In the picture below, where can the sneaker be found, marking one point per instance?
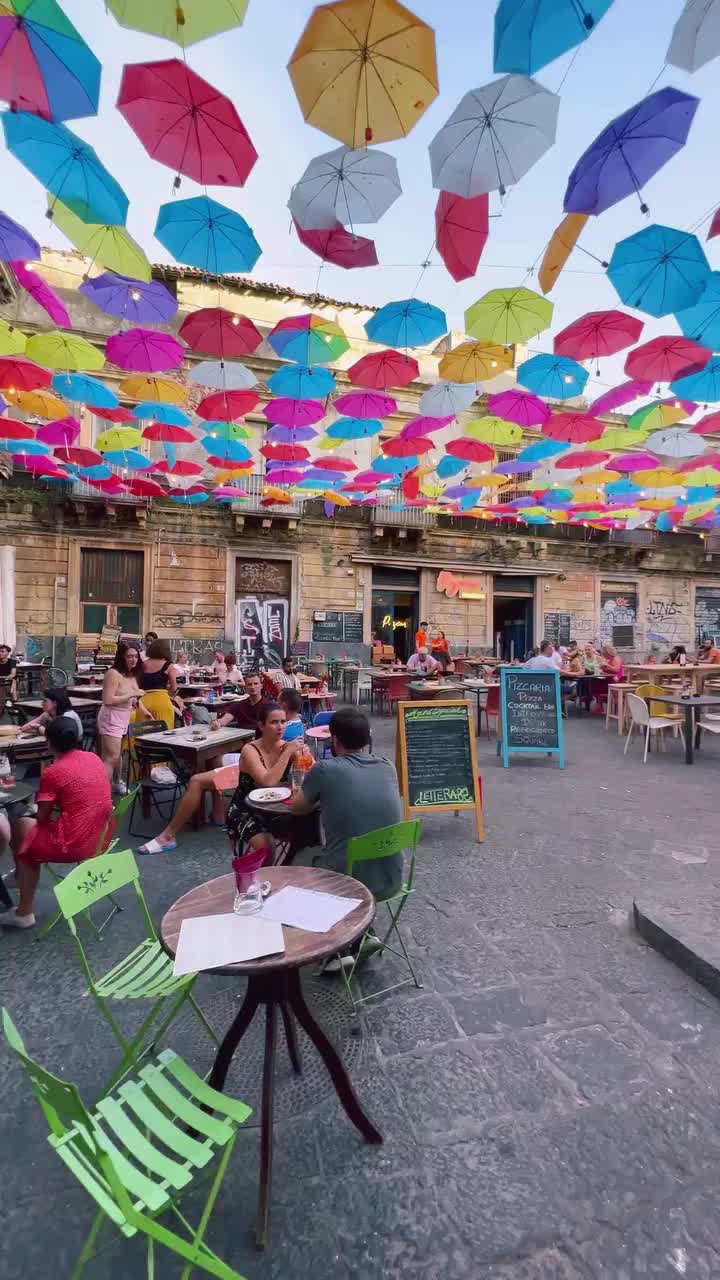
(119, 788)
(11, 920)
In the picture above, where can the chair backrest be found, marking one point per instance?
(61, 1102)
(638, 709)
(399, 688)
(140, 727)
(649, 691)
(97, 878)
(322, 717)
(492, 706)
(383, 843)
(88, 720)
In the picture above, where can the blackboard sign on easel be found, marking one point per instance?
(437, 760)
(531, 713)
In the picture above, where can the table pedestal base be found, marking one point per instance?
(283, 991)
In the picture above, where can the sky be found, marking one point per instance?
(611, 71)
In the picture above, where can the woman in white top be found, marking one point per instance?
(56, 702)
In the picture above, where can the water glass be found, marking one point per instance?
(248, 888)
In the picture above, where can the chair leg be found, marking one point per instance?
(87, 1248)
(629, 736)
(647, 742)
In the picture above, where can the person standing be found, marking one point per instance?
(421, 637)
(439, 644)
(121, 694)
(158, 682)
(8, 677)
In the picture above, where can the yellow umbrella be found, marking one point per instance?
(232, 473)
(337, 499)
(489, 481)
(494, 431)
(146, 387)
(659, 478)
(557, 516)
(599, 477)
(119, 438)
(271, 491)
(621, 438)
(41, 404)
(326, 443)
(364, 71)
(508, 315)
(57, 350)
(560, 246)
(696, 510)
(12, 340)
(656, 504)
(111, 247)
(587, 493)
(706, 475)
(475, 361)
(430, 490)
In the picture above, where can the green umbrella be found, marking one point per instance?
(508, 315)
(108, 246)
(227, 430)
(622, 438)
(184, 22)
(494, 431)
(56, 350)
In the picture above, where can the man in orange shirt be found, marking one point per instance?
(421, 637)
(708, 653)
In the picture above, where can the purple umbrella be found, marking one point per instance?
(16, 244)
(630, 151)
(624, 394)
(41, 292)
(511, 468)
(139, 301)
(290, 435)
(418, 428)
(294, 413)
(144, 350)
(63, 431)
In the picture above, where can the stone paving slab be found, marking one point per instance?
(689, 936)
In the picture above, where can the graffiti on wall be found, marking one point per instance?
(667, 621)
(261, 632)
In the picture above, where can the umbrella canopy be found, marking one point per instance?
(540, 451)
(461, 232)
(186, 123)
(661, 413)
(217, 332)
(494, 136)
(702, 321)
(573, 428)
(531, 33)
(285, 452)
(207, 235)
(447, 399)
(630, 150)
(58, 350)
(408, 323)
(599, 333)
(508, 316)
(475, 361)
(227, 450)
(12, 430)
(582, 459)
(665, 358)
(702, 386)
(40, 404)
(40, 292)
(294, 414)
(424, 425)
(352, 186)
(166, 433)
(617, 396)
(300, 382)
(79, 457)
(16, 244)
(21, 374)
(696, 36)
(676, 442)
(67, 166)
(400, 448)
(365, 404)
(183, 467)
(557, 377)
(46, 67)
(140, 487)
(631, 462)
(112, 415)
(383, 369)
(659, 270)
(150, 388)
(560, 246)
(364, 72)
(139, 301)
(118, 438)
(494, 431)
(291, 435)
(129, 459)
(520, 407)
(226, 377)
(184, 23)
(63, 431)
(227, 405)
(340, 247)
(308, 339)
(334, 464)
(104, 243)
(470, 450)
(144, 350)
(226, 430)
(12, 340)
(80, 387)
(354, 428)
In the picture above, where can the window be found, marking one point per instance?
(111, 590)
(618, 614)
(707, 614)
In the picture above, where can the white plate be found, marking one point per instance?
(269, 795)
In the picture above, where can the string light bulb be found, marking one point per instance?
(135, 295)
(236, 320)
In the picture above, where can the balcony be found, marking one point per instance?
(255, 486)
(408, 518)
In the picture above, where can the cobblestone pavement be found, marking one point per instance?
(549, 1100)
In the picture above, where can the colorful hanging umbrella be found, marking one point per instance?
(308, 339)
(299, 382)
(40, 292)
(166, 414)
(447, 399)
(79, 457)
(118, 438)
(556, 377)
(573, 428)
(461, 232)
(184, 23)
(183, 467)
(166, 433)
(25, 446)
(16, 244)
(599, 333)
(702, 321)
(408, 323)
(540, 451)
(128, 459)
(531, 33)
(226, 377)
(676, 442)
(340, 247)
(20, 374)
(581, 460)
(520, 407)
(112, 415)
(141, 487)
(144, 351)
(226, 430)
(622, 438)
(470, 450)
(703, 387)
(186, 123)
(285, 452)
(106, 244)
(494, 431)
(345, 185)
(217, 332)
(365, 404)
(227, 450)
(660, 413)
(294, 414)
(12, 430)
(354, 428)
(508, 316)
(494, 136)
(631, 462)
(190, 497)
(58, 350)
(399, 448)
(424, 425)
(383, 369)
(84, 389)
(138, 301)
(291, 435)
(227, 405)
(618, 396)
(150, 388)
(365, 72)
(334, 464)
(230, 493)
(694, 40)
(204, 234)
(475, 361)
(66, 165)
(629, 151)
(12, 340)
(665, 358)
(659, 270)
(46, 67)
(708, 425)
(63, 432)
(560, 246)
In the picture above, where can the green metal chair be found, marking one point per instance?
(145, 974)
(382, 844)
(142, 1147)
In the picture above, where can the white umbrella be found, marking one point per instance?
(224, 375)
(494, 135)
(675, 442)
(345, 186)
(696, 35)
(445, 398)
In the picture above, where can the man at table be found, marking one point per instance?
(285, 678)
(8, 681)
(422, 663)
(244, 715)
(708, 653)
(543, 661)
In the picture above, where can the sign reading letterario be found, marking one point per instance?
(531, 713)
(436, 758)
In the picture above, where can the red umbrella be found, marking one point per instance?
(168, 434)
(285, 452)
(227, 406)
(469, 449)
(665, 358)
(12, 430)
(707, 425)
(410, 486)
(217, 332)
(340, 247)
(112, 485)
(334, 464)
(19, 374)
(112, 415)
(714, 225)
(185, 123)
(180, 468)
(461, 232)
(79, 456)
(145, 488)
(599, 333)
(582, 459)
(225, 465)
(399, 448)
(144, 350)
(383, 369)
(573, 428)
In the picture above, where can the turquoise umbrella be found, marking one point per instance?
(299, 382)
(408, 323)
(557, 377)
(68, 167)
(169, 414)
(207, 235)
(357, 429)
(531, 33)
(659, 270)
(80, 387)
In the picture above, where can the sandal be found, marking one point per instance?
(153, 846)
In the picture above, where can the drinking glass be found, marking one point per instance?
(248, 887)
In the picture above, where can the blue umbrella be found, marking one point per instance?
(702, 322)
(531, 33)
(317, 482)
(24, 446)
(409, 323)
(622, 489)
(81, 387)
(356, 429)
(189, 499)
(205, 234)
(300, 382)
(130, 459)
(659, 270)
(541, 450)
(450, 466)
(98, 472)
(169, 414)
(557, 377)
(68, 167)
(393, 466)
(703, 386)
(229, 450)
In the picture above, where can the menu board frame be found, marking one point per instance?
(512, 673)
(403, 763)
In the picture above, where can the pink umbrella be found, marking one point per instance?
(365, 404)
(111, 486)
(62, 431)
(144, 350)
(520, 407)
(284, 475)
(340, 247)
(714, 225)
(419, 428)
(574, 428)
(294, 413)
(707, 425)
(383, 369)
(581, 459)
(334, 464)
(230, 491)
(461, 232)
(40, 466)
(633, 462)
(41, 292)
(623, 394)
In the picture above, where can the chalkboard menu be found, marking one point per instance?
(338, 627)
(556, 627)
(437, 764)
(353, 627)
(531, 712)
(623, 637)
(707, 613)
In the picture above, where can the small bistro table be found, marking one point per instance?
(274, 981)
(689, 706)
(696, 672)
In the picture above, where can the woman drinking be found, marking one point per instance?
(56, 702)
(266, 762)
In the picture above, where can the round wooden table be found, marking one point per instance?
(274, 982)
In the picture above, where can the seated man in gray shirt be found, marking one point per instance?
(356, 793)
